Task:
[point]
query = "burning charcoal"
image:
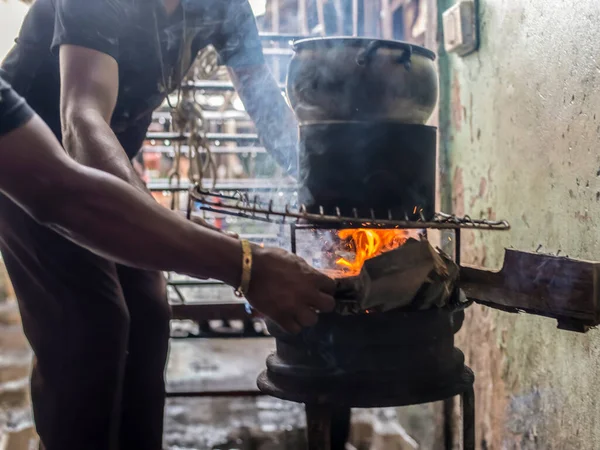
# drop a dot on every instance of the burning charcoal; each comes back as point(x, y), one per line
point(352, 288)
point(350, 293)
point(397, 276)
point(414, 275)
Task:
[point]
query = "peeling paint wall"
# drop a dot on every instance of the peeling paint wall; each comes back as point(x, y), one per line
point(520, 140)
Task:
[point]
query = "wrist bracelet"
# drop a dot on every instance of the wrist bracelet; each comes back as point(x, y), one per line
point(242, 290)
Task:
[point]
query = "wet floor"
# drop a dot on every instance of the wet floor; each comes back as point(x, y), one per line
point(261, 423)
point(210, 423)
point(239, 423)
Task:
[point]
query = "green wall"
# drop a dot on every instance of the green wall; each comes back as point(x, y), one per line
point(520, 140)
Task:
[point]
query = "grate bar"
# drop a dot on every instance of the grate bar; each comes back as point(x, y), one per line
point(228, 137)
point(241, 205)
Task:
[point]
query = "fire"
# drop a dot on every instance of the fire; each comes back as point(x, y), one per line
point(367, 243)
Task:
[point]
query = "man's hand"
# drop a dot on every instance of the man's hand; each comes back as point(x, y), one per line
point(289, 291)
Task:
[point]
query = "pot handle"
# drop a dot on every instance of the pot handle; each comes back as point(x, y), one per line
point(365, 55)
point(405, 57)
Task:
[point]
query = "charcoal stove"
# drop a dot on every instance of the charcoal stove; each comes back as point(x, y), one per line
point(377, 174)
point(368, 359)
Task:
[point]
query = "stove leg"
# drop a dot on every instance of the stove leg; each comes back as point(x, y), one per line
point(340, 427)
point(318, 426)
point(449, 423)
point(468, 413)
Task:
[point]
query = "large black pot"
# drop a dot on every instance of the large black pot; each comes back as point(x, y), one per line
point(349, 78)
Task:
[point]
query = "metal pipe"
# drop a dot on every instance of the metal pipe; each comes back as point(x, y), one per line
point(223, 185)
point(281, 37)
point(215, 149)
point(195, 283)
point(193, 394)
point(468, 409)
point(293, 237)
point(457, 248)
point(228, 137)
point(318, 426)
point(278, 52)
point(214, 85)
point(210, 311)
point(228, 114)
point(448, 414)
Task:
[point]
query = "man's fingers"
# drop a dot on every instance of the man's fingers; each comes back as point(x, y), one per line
point(325, 284)
point(290, 325)
point(307, 317)
point(322, 302)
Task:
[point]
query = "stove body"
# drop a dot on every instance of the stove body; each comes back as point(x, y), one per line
point(369, 169)
point(377, 174)
point(381, 171)
point(370, 360)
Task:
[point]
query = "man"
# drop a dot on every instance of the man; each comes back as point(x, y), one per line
point(94, 70)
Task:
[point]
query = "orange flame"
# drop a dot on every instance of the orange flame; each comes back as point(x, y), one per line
point(368, 243)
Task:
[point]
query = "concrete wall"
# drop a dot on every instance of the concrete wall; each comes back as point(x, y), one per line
point(520, 126)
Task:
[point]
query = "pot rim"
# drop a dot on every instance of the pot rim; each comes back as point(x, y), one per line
point(353, 41)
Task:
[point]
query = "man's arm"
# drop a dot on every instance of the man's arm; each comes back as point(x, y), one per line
point(274, 120)
point(108, 216)
point(105, 214)
point(86, 37)
point(89, 88)
point(239, 47)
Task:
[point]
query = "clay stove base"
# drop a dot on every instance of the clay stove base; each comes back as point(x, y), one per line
point(322, 399)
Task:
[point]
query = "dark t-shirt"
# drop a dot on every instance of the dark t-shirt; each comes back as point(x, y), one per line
point(14, 111)
point(130, 32)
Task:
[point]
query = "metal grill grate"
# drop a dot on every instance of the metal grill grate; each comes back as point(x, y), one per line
point(242, 205)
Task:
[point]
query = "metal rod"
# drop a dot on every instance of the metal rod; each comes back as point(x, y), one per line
point(318, 426)
point(228, 137)
point(293, 237)
point(224, 185)
point(457, 246)
point(468, 413)
point(207, 311)
point(194, 283)
point(341, 419)
point(318, 221)
point(214, 149)
point(354, 17)
point(215, 85)
point(241, 116)
point(448, 414)
point(278, 52)
point(281, 37)
point(303, 16)
point(178, 292)
point(214, 394)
